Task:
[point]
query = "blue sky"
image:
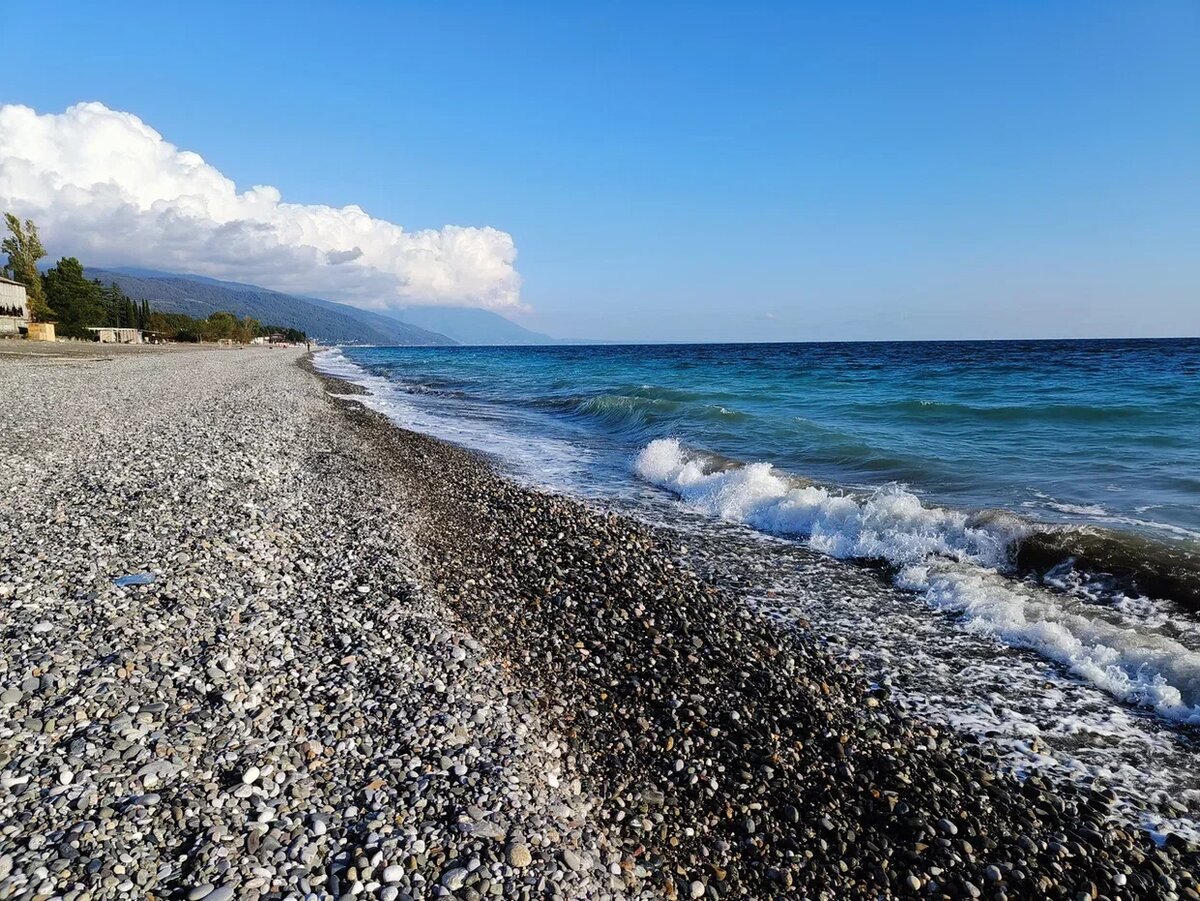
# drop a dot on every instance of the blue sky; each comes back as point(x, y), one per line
point(705, 171)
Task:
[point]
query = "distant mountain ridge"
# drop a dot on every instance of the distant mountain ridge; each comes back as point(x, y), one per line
point(322, 320)
point(468, 325)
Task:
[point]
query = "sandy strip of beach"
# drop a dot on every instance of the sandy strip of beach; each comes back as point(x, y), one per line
point(363, 664)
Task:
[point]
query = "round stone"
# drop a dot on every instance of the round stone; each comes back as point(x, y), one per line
point(519, 856)
point(455, 879)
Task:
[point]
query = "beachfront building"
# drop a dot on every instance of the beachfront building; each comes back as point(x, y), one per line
point(111, 335)
point(14, 308)
point(273, 339)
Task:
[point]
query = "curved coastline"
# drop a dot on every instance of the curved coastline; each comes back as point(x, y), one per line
point(719, 744)
point(261, 643)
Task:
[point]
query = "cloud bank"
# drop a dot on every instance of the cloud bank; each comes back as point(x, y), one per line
point(106, 187)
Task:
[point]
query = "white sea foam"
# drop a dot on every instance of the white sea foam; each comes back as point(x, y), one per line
point(890, 524)
point(529, 456)
point(1078, 509)
point(1100, 515)
point(1154, 526)
point(332, 361)
point(1137, 665)
point(954, 562)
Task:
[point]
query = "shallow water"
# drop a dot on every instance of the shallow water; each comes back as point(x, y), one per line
point(945, 462)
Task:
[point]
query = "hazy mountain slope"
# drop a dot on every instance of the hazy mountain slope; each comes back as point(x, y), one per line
point(321, 320)
point(471, 326)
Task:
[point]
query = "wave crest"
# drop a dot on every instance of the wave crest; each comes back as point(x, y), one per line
point(890, 524)
point(956, 562)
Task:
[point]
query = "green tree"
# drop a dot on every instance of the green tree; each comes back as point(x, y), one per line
point(24, 249)
point(176, 326)
point(219, 326)
point(77, 303)
point(246, 330)
point(114, 303)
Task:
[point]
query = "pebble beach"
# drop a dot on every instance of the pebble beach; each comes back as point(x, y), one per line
point(260, 643)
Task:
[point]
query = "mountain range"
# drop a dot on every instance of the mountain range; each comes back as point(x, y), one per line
point(325, 321)
point(468, 325)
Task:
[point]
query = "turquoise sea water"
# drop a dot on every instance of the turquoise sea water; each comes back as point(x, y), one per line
point(1035, 507)
point(1098, 432)
point(1087, 451)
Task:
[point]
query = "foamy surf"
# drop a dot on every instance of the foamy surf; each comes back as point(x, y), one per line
point(972, 658)
point(955, 562)
point(888, 524)
point(530, 457)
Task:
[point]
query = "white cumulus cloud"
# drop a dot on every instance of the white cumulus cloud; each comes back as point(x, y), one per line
point(106, 187)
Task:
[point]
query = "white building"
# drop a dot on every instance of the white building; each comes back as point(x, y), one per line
point(110, 335)
point(14, 308)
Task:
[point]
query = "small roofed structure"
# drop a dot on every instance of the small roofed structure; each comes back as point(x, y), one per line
point(106, 334)
point(275, 339)
point(14, 308)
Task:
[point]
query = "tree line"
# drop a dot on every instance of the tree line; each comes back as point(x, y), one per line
point(75, 304)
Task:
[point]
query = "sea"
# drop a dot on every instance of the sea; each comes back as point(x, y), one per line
point(1005, 534)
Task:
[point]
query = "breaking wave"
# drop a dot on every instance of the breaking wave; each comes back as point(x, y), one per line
point(964, 564)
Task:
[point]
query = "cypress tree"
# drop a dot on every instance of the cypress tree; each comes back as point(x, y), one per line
point(112, 299)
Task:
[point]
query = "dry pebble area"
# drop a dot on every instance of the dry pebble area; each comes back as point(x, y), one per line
point(281, 712)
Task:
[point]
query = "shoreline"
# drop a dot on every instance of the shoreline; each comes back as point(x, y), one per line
point(911, 787)
point(1069, 674)
point(281, 712)
point(368, 665)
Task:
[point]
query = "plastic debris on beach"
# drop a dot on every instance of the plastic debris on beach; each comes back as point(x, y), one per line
point(134, 579)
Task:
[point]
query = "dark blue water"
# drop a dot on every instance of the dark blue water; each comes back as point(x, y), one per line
point(1036, 504)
